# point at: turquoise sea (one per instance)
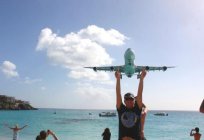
(80, 125)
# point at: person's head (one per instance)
(43, 134)
(197, 130)
(107, 130)
(16, 126)
(129, 100)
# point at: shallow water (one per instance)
(79, 125)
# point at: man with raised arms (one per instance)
(129, 114)
(16, 129)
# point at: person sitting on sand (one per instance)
(129, 114)
(15, 131)
(196, 135)
(106, 134)
(202, 107)
(43, 135)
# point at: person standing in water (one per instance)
(196, 134)
(16, 129)
(106, 134)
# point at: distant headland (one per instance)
(10, 103)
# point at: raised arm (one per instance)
(191, 133)
(6, 125)
(118, 90)
(11, 128)
(140, 89)
(22, 127)
(202, 107)
(53, 135)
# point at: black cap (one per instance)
(129, 95)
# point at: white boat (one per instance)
(161, 114)
(107, 114)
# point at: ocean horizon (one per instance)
(84, 124)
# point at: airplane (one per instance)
(129, 69)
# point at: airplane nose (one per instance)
(128, 53)
(129, 49)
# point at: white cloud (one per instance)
(9, 69)
(77, 50)
(100, 35)
(98, 97)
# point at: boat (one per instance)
(161, 114)
(107, 114)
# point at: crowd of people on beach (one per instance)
(131, 116)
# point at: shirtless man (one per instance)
(15, 131)
(196, 134)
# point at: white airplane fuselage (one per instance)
(129, 62)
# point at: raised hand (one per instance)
(117, 75)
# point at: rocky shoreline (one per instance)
(10, 103)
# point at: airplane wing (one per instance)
(108, 68)
(151, 68)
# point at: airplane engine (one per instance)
(147, 68)
(94, 68)
(164, 68)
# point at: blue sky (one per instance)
(44, 46)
